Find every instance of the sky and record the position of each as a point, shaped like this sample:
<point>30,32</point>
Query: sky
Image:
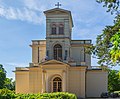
<point>23,20</point>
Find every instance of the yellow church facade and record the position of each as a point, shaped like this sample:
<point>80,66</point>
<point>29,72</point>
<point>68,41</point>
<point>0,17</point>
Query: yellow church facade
<point>60,64</point>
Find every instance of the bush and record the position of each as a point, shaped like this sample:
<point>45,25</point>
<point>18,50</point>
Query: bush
<point>7,94</point>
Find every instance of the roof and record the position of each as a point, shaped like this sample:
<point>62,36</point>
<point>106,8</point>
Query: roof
<point>59,9</point>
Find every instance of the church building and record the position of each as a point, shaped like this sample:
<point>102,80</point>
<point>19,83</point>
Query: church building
<point>60,64</point>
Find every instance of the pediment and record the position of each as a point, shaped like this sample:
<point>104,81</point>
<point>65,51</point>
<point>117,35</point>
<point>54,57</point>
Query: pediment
<point>53,62</point>
<point>57,11</point>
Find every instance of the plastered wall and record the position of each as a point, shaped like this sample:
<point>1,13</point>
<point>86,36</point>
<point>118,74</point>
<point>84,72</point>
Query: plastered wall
<point>35,80</point>
<point>22,81</point>
<point>77,81</point>
<point>96,83</point>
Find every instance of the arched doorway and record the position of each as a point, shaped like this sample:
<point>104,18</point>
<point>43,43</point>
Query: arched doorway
<point>57,84</point>
<point>57,52</point>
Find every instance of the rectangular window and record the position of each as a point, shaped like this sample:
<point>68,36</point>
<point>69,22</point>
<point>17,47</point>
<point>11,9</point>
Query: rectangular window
<point>47,54</point>
<point>61,30</point>
<point>66,54</point>
<point>53,30</point>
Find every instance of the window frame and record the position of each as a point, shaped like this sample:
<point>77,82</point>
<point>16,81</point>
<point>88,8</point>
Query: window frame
<point>53,29</point>
<point>61,28</point>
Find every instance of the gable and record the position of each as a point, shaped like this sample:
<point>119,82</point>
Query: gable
<point>57,11</point>
<point>53,62</point>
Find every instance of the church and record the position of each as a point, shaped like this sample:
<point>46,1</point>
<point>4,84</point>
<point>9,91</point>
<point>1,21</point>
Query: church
<point>60,64</point>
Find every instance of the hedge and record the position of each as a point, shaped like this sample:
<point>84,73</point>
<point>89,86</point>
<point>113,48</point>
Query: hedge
<point>7,94</point>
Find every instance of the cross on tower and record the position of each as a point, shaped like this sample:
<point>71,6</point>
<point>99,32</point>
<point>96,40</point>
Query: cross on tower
<point>58,5</point>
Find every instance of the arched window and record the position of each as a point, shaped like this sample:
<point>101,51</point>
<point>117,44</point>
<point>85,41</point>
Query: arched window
<point>57,84</point>
<point>57,52</point>
<point>61,29</point>
<point>53,29</point>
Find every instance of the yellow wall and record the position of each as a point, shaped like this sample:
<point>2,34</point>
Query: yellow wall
<point>35,80</point>
<point>22,81</point>
<point>77,81</point>
<point>53,70</point>
<point>42,50</point>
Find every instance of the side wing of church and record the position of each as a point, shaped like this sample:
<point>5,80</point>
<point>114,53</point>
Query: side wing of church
<point>60,64</point>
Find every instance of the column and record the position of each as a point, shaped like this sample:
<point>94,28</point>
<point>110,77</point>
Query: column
<point>47,83</point>
<point>43,81</point>
<point>82,83</point>
<point>64,81</point>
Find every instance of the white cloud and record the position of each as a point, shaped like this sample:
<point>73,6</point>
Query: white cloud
<point>35,5</point>
<point>23,14</point>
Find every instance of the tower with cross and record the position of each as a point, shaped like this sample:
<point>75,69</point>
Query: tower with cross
<point>59,28</point>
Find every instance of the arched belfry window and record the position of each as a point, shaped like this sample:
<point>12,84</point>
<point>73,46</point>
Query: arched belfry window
<point>57,52</point>
<point>53,29</point>
<point>57,84</point>
<point>61,29</point>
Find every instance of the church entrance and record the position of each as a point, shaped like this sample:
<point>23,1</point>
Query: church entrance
<point>57,52</point>
<point>57,84</point>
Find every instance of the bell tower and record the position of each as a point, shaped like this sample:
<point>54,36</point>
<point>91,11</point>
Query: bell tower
<point>58,33</point>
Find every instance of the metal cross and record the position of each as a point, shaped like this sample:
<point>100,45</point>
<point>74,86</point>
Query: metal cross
<point>58,5</point>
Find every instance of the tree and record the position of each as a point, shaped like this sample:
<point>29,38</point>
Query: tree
<point>106,45</point>
<point>112,5</point>
<point>2,76</point>
<point>115,50</point>
<point>5,82</point>
<point>9,84</point>
<point>107,48</point>
<point>113,80</point>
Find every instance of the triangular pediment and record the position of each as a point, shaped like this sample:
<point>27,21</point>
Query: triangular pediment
<point>53,62</point>
<point>57,11</point>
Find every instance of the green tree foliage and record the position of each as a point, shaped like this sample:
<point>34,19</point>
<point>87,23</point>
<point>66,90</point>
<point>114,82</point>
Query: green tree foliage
<point>115,50</point>
<point>9,84</point>
<point>113,80</point>
<point>2,76</point>
<point>107,48</point>
<point>5,82</point>
<point>112,5</point>
<point>105,45</point>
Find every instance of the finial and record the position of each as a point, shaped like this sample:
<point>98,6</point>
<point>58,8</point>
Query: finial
<point>58,5</point>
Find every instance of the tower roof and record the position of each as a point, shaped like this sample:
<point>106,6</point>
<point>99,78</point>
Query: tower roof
<point>61,10</point>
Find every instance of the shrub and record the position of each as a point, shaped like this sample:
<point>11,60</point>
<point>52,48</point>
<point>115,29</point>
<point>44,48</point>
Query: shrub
<point>7,94</point>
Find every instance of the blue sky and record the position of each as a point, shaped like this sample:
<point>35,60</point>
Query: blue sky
<point>23,20</point>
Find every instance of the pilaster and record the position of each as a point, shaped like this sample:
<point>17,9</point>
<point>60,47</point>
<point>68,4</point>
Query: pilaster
<point>43,81</point>
<point>64,81</point>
